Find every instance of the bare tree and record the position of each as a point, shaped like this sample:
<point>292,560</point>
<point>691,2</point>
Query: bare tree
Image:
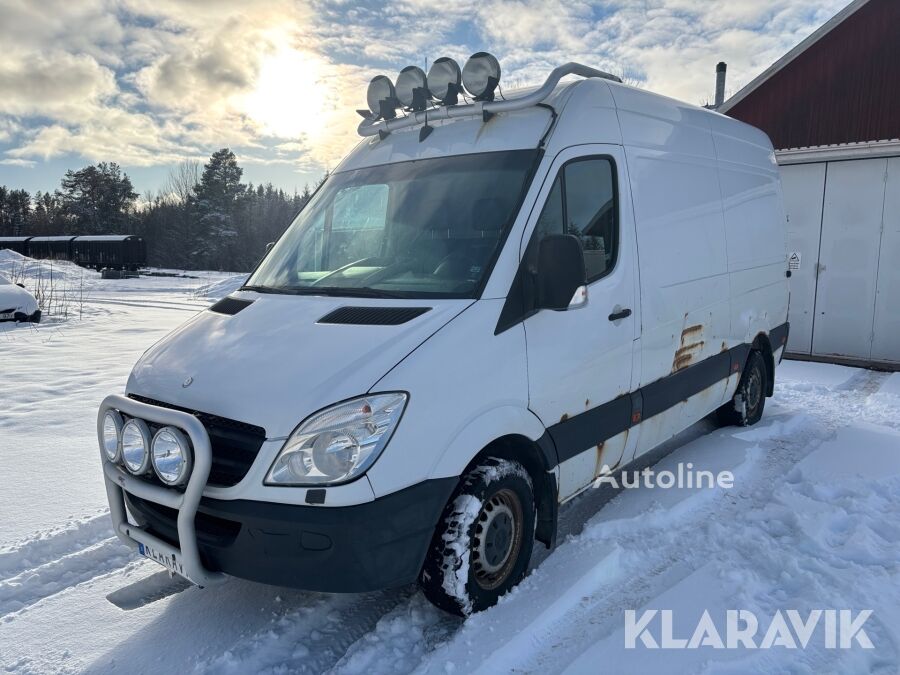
<point>182,180</point>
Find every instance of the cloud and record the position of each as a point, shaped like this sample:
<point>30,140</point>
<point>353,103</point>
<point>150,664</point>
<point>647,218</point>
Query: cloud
<point>24,163</point>
<point>149,83</point>
<point>55,85</point>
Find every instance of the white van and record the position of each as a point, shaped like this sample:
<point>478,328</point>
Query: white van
<point>485,307</point>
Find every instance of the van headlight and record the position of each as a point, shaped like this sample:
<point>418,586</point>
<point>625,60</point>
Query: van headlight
<point>338,443</point>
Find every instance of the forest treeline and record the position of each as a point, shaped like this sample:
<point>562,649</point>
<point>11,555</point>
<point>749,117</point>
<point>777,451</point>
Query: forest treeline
<point>204,217</point>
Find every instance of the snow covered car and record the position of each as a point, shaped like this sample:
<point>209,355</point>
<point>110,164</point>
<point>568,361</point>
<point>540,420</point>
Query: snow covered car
<point>16,303</point>
<point>484,308</point>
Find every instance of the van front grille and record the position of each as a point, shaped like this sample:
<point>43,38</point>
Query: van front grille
<point>235,444</point>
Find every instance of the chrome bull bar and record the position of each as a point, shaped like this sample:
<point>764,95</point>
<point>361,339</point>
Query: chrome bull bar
<point>118,481</point>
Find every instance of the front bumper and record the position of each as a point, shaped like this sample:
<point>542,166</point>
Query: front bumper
<point>369,546</point>
<point>347,549</point>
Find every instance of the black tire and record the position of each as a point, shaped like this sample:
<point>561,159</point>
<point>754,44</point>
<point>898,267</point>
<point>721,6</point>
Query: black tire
<point>746,408</point>
<point>483,541</point>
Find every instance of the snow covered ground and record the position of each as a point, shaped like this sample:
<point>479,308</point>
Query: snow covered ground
<point>812,522</point>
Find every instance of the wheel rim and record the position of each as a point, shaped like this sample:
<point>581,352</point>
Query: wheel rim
<point>754,391</point>
<point>498,538</point>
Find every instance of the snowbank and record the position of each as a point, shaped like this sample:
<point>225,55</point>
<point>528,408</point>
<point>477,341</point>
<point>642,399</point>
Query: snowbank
<point>22,269</point>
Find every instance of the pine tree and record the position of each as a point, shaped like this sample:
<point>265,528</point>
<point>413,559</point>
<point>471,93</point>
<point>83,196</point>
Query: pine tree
<point>216,201</point>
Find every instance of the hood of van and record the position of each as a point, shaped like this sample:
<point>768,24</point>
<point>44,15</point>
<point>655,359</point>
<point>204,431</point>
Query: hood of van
<point>273,363</point>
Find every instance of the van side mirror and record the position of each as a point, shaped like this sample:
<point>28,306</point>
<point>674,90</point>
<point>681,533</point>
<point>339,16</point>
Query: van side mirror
<point>560,272</point>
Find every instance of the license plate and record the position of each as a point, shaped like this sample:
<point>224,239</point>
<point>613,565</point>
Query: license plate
<point>7,316</point>
<point>169,561</point>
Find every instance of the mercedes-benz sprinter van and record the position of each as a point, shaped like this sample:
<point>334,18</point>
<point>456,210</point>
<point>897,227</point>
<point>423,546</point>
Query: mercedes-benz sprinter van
<point>486,306</point>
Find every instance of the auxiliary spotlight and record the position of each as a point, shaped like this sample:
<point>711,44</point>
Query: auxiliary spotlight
<point>481,75</point>
<point>412,88</point>
<point>382,98</point>
<point>444,79</point>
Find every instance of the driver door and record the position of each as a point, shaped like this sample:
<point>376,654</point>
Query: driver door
<point>580,360</point>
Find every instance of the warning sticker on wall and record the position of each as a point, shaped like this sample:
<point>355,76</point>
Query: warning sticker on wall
<point>794,260</point>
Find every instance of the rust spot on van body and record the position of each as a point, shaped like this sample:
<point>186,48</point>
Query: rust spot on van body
<point>598,462</point>
<point>685,354</point>
<point>690,330</point>
<point>564,417</point>
<point>691,346</point>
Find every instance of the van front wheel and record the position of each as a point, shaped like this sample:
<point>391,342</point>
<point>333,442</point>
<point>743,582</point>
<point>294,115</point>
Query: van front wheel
<point>483,542</point>
<point>746,407</point>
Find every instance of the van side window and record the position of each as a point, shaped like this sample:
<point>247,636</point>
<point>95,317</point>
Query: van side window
<point>590,208</point>
<point>584,198</point>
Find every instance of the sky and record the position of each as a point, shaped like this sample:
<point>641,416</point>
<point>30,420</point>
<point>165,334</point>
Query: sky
<point>151,83</point>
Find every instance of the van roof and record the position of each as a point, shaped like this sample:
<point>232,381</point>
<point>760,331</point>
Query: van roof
<point>588,111</point>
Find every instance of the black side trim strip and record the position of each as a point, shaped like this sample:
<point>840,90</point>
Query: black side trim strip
<point>574,435</point>
<point>230,306</point>
<point>613,418</point>
<point>661,395</point>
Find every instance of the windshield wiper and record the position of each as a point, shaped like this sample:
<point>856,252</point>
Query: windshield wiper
<point>261,289</point>
<point>335,291</point>
<point>345,291</point>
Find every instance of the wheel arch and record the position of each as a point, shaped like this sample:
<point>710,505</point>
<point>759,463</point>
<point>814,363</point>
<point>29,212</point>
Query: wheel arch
<point>538,458</point>
<point>513,433</point>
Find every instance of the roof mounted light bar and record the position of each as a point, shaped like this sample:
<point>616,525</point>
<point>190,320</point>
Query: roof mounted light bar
<point>374,125</point>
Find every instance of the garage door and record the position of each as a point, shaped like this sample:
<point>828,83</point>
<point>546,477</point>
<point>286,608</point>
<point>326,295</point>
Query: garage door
<point>844,232</point>
<point>848,258</point>
<point>886,334</point>
<point>804,190</point>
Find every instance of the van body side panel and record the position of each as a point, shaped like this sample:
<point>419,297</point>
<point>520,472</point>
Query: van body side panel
<point>685,308</point>
<point>755,228</point>
<point>454,379</point>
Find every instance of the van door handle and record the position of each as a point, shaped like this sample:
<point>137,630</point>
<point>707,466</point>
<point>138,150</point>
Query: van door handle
<point>621,314</point>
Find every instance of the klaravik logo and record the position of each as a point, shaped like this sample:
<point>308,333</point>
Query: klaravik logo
<point>838,629</point>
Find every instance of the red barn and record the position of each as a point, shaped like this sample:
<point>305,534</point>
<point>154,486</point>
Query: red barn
<point>831,106</point>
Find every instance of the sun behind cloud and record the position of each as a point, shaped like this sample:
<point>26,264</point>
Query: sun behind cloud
<point>289,97</point>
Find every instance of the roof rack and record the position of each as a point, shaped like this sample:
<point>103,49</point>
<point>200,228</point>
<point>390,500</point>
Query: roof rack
<point>485,109</point>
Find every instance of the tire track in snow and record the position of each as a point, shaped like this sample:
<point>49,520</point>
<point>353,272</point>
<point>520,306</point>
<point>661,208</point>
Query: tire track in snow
<point>45,547</point>
<point>310,639</point>
<point>56,560</point>
<point>36,584</point>
<point>150,303</point>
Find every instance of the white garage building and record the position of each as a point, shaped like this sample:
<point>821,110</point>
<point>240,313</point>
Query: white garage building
<point>832,107</point>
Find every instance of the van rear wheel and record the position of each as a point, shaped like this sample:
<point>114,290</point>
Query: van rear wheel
<point>746,407</point>
<point>483,542</point>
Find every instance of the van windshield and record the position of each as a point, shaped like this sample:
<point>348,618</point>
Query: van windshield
<point>422,228</point>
